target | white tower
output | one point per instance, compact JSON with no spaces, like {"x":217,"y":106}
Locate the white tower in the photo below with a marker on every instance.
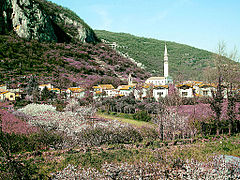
{"x":165,"y":62}
{"x":130,"y":79}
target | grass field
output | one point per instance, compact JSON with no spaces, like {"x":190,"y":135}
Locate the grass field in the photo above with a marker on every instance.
{"x":121,"y":118}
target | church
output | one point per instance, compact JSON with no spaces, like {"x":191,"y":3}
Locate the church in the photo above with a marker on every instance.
{"x":166,"y":79}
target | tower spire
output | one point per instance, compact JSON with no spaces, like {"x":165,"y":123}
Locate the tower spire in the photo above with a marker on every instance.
{"x":165,"y":51}
{"x":130,"y":81}
{"x":165,"y":62}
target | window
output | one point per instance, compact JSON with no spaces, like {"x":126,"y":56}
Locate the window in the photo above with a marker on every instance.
{"x":160,"y":93}
{"x":184,"y":94}
{"x":205,"y":93}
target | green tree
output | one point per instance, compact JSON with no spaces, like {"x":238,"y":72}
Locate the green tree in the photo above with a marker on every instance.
{"x":45,"y":94}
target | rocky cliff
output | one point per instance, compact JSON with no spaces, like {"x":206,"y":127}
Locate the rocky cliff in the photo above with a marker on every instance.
{"x":43,"y":21}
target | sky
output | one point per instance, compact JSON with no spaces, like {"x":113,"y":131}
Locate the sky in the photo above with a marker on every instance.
{"x":199,"y":23}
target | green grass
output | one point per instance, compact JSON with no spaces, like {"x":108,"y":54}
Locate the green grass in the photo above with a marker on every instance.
{"x":122,"y":118}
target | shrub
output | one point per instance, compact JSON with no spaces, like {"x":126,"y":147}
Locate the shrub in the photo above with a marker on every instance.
{"x":142,"y":116}
{"x":109,"y":135}
{"x":149,"y":133}
{"x":15,"y":143}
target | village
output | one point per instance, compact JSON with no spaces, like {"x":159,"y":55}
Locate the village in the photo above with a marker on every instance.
{"x":155,"y":87}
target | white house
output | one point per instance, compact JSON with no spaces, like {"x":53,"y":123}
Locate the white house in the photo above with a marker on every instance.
{"x":141,"y":92}
{"x":185,"y":90}
{"x":125,"y":90}
{"x":2,"y":86}
{"x":156,"y":81}
{"x":205,"y":89}
{"x":6,"y":95}
{"x":160,"y":91}
{"x":103,"y":90}
{"x":42,"y":86}
{"x":75,"y":92}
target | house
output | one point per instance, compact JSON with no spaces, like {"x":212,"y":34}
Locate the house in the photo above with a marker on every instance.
{"x":160,"y":91}
{"x":3,"y":86}
{"x":103,"y":87}
{"x":142,"y":91}
{"x":10,"y":96}
{"x":186,"y":90}
{"x":205,"y":90}
{"x":75,"y":92}
{"x":7,"y":96}
{"x":42,"y":86}
{"x":55,"y":90}
{"x":156,"y":81}
{"x":125,"y":90}
{"x":113,"y":93}
{"x":2,"y":97}
{"x":103,"y":90}
{"x":18,"y":92}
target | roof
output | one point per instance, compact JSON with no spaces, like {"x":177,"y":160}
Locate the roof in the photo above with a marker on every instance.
{"x":98,"y":92}
{"x":6,"y":92}
{"x":2,"y":90}
{"x":156,"y":78}
{"x":53,"y":89}
{"x":75,"y":89}
{"x":125,"y":87}
{"x":146,"y":86}
{"x":192,"y":82}
{"x":184,"y":85}
{"x":44,"y":84}
{"x":116,"y":95}
{"x":207,"y":85}
{"x":198,"y":95}
{"x":104,"y":86}
{"x":161,"y":86}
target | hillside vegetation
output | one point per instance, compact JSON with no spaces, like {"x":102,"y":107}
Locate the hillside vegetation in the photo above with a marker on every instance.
{"x":185,"y":62}
{"x":80,"y":63}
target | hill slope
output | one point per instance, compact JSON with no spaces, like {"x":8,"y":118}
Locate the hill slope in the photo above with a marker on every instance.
{"x":185,"y":62}
{"x":82,"y":63}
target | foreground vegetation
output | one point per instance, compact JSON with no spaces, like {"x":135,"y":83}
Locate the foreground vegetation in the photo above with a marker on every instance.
{"x":104,"y":148}
{"x":110,"y":161}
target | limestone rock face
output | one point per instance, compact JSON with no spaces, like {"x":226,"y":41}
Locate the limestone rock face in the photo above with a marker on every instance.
{"x":5,"y":14}
{"x":29,"y":20}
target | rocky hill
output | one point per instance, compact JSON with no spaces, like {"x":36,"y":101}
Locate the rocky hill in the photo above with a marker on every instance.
{"x":44,"y":21}
{"x":40,"y":38}
{"x":185,"y":62}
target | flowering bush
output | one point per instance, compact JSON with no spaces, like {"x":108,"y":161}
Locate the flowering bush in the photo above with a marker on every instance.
{"x":172,"y":125}
{"x":216,"y":169}
{"x":112,"y":134}
{"x":12,"y":124}
{"x":35,"y":109}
